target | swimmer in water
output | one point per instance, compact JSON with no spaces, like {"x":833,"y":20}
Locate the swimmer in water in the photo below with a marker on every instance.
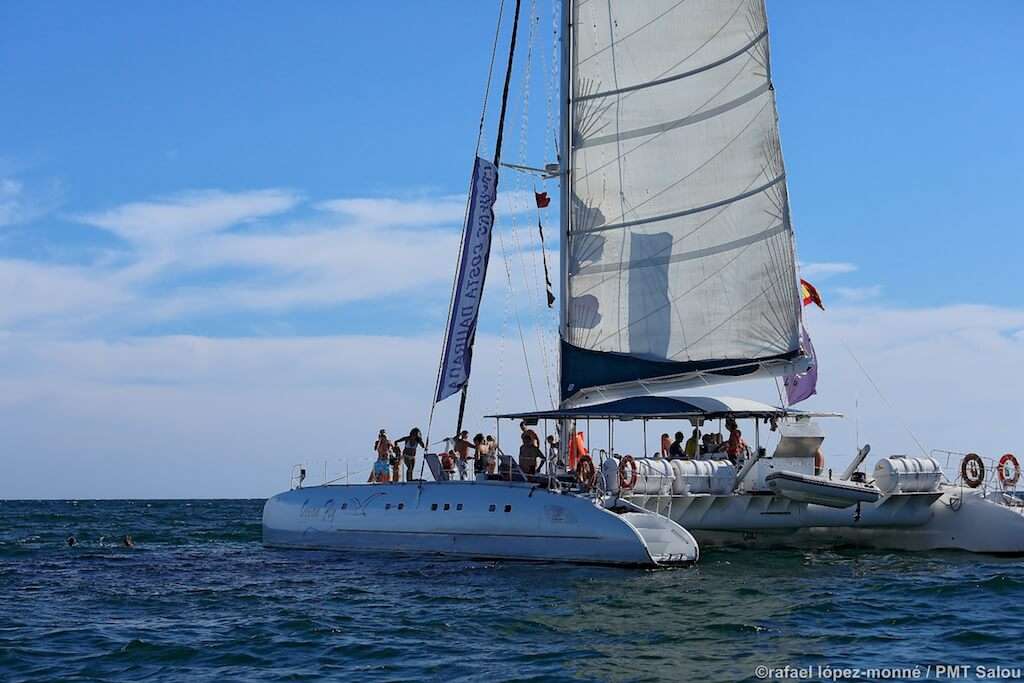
{"x":127,"y":541}
{"x":72,"y":541}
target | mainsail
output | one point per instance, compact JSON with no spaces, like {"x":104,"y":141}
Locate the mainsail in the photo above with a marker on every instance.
{"x":680,"y":263}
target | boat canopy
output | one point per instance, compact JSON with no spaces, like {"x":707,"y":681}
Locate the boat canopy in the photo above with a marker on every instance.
{"x":667,"y":407}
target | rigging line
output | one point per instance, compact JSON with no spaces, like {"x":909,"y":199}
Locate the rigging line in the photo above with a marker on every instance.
{"x":532,"y":285}
{"x":497,"y":163}
{"x":882,"y":396}
{"x":451,"y":311}
{"x":501,"y":351}
{"x":490,"y":74}
{"x":515,"y":311}
{"x":552,"y":94}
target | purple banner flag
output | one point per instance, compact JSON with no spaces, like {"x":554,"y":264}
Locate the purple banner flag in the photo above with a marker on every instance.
{"x":469,"y":281}
{"x":803,"y":385}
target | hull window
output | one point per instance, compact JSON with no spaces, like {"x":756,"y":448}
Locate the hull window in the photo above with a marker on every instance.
{"x":508,"y":508}
{"x":492,"y":508}
{"x":433,"y":506}
{"x":459,"y":506}
{"x":401,"y":506}
{"x":447,"y":506}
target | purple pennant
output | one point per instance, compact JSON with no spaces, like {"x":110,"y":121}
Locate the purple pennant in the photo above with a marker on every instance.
{"x":803,"y":385}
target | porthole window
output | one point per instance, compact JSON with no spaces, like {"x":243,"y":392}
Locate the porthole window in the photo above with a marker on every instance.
{"x":401,"y":506}
{"x":387,"y":506}
{"x":459,"y":506}
{"x":492,"y":508}
{"x":447,"y":506}
{"x":508,"y":508}
{"x":433,"y":506}
{"x":344,"y":506}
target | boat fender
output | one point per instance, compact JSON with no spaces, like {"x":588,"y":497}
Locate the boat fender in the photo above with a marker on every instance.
{"x":586,"y":473}
{"x":1008,"y":470}
{"x":630,"y":481}
{"x":972,"y":469}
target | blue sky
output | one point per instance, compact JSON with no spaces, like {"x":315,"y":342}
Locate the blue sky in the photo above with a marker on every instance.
{"x":187,"y":189}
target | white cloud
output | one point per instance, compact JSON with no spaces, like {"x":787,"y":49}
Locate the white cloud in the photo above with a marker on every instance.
{"x":21,"y":202}
{"x":858,"y":294}
{"x":189,"y":214}
{"x":194,"y":416}
{"x":386,"y":211}
{"x":449,"y":209}
{"x":825,"y":269}
{"x":53,"y":295}
{"x":385,"y":247}
{"x":10,"y":196}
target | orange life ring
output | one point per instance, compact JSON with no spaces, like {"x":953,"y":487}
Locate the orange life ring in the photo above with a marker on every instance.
{"x":630,"y":482}
{"x":586,"y":473}
{"x":972,"y":470}
{"x":1008,"y":479}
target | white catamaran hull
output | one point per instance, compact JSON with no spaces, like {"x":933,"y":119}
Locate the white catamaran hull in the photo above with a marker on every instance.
{"x":492,"y":519}
{"x":952,"y":518}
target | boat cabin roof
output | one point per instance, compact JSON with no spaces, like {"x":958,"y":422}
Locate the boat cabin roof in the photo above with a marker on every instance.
{"x":667,"y":407}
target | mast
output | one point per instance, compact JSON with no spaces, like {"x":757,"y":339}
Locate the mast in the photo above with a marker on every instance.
{"x":565,"y":168}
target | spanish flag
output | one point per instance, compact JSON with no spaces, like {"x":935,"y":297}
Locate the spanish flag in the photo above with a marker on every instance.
{"x":810,"y":294}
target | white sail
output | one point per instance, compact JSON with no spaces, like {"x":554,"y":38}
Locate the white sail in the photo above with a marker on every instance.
{"x":680,"y":251}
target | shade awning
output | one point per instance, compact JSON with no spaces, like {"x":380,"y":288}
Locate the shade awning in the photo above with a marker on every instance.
{"x":667,"y":407}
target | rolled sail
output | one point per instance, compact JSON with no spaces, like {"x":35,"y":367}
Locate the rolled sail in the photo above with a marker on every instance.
{"x":680,"y":262}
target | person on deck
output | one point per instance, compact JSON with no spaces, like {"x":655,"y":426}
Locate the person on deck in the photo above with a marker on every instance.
{"x":381,"y":472}
{"x":411,"y":443}
{"x":448,"y":464}
{"x":554,"y":454}
{"x":692,"y":445}
{"x":525,"y":429}
{"x":493,"y":451}
{"x":482,"y":450}
{"x":461,"y":445}
{"x":395,"y":460}
{"x":676,"y":449}
{"x":382,"y":446}
{"x":736,"y":446}
{"x":530,"y":457}
{"x":666,"y":444}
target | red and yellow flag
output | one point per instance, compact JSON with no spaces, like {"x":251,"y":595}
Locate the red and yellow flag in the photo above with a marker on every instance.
{"x":810,"y":294}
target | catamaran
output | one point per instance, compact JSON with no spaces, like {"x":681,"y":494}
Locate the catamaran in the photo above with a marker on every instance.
{"x":678,"y":272}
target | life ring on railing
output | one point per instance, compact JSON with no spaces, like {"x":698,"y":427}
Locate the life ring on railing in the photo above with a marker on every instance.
{"x":630,"y":481}
{"x":972,"y":470}
{"x":1008,"y":470}
{"x":586,"y":473}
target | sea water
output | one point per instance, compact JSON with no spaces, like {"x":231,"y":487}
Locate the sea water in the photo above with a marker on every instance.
{"x":200,"y":599}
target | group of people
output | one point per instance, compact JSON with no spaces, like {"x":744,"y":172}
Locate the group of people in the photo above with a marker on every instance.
{"x":484,"y":452}
{"x":392,"y":455}
{"x":734,"y":447}
{"x":395,"y":456}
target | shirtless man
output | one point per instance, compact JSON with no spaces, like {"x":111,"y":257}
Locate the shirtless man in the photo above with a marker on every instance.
{"x":461,"y":446}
